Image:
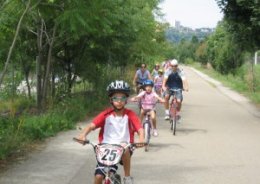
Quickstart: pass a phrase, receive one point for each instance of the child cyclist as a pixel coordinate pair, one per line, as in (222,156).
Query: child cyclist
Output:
(148,101)
(117,125)
(158,81)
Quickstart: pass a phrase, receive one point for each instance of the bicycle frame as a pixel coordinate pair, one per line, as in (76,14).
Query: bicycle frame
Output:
(173,109)
(147,125)
(109,155)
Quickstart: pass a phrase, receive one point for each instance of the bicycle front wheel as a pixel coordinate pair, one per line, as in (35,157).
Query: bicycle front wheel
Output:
(146,134)
(107,181)
(174,125)
(171,123)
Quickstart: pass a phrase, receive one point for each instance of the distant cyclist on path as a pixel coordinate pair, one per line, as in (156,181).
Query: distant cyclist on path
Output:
(141,75)
(174,78)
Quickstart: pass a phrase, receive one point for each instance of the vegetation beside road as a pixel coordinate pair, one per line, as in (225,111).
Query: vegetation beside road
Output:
(96,49)
(69,57)
(22,124)
(246,81)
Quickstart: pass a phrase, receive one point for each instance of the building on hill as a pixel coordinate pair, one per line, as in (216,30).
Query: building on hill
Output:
(177,24)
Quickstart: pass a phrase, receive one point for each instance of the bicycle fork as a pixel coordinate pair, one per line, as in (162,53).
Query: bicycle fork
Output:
(111,178)
(147,131)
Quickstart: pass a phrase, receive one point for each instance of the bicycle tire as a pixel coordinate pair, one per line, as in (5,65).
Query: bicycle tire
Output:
(171,123)
(107,181)
(146,134)
(175,124)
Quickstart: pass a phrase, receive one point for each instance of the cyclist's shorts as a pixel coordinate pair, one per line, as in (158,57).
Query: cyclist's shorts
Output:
(178,94)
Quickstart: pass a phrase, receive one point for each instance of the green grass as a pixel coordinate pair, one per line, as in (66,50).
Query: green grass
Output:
(21,125)
(241,82)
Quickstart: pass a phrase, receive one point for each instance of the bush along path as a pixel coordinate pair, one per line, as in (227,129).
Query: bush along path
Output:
(20,134)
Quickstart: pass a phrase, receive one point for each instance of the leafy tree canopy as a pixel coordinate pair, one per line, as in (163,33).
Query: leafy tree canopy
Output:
(243,17)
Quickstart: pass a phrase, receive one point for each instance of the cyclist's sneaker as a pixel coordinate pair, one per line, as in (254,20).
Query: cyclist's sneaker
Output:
(167,117)
(155,133)
(128,180)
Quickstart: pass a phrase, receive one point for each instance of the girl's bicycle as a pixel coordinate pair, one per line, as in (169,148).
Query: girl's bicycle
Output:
(173,109)
(147,125)
(108,156)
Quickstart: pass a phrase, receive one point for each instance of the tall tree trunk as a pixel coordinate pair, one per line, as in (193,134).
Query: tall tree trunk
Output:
(39,61)
(68,70)
(13,43)
(26,71)
(28,84)
(47,73)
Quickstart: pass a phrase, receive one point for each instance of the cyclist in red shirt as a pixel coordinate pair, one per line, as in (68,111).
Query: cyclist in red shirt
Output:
(117,125)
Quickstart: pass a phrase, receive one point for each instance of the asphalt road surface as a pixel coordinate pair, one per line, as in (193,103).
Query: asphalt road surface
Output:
(217,142)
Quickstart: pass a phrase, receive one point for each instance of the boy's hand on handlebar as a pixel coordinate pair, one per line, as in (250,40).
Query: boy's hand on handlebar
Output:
(80,139)
(140,144)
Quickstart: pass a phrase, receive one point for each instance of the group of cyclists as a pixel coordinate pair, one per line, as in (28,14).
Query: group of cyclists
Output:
(118,124)
(163,77)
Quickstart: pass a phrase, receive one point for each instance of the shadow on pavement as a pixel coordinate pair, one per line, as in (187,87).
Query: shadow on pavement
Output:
(155,147)
(187,131)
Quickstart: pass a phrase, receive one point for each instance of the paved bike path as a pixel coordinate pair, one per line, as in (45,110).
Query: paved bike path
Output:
(216,142)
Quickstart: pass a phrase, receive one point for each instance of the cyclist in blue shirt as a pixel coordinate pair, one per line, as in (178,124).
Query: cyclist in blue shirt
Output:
(141,75)
(175,79)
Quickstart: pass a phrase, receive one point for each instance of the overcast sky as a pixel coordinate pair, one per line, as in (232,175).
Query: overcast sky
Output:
(192,13)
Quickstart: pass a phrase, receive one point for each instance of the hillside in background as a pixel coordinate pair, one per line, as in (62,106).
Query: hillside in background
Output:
(176,34)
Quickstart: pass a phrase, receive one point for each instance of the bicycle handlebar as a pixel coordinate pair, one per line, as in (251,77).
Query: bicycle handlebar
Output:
(174,90)
(136,101)
(136,145)
(81,141)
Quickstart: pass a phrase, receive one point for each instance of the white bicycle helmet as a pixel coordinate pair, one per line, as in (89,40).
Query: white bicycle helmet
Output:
(118,86)
(174,62)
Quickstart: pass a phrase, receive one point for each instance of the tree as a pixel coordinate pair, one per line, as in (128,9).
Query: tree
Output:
(81,38)
(223,51)
(201,53)
(243,17)
(14,41)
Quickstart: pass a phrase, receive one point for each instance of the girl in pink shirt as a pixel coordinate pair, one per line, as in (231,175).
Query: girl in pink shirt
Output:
(158,80)
(148,101)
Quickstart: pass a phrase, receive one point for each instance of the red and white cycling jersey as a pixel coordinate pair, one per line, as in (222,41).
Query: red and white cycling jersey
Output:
(115,129)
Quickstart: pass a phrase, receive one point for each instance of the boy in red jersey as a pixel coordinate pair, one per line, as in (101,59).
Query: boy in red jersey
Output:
(117,125)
